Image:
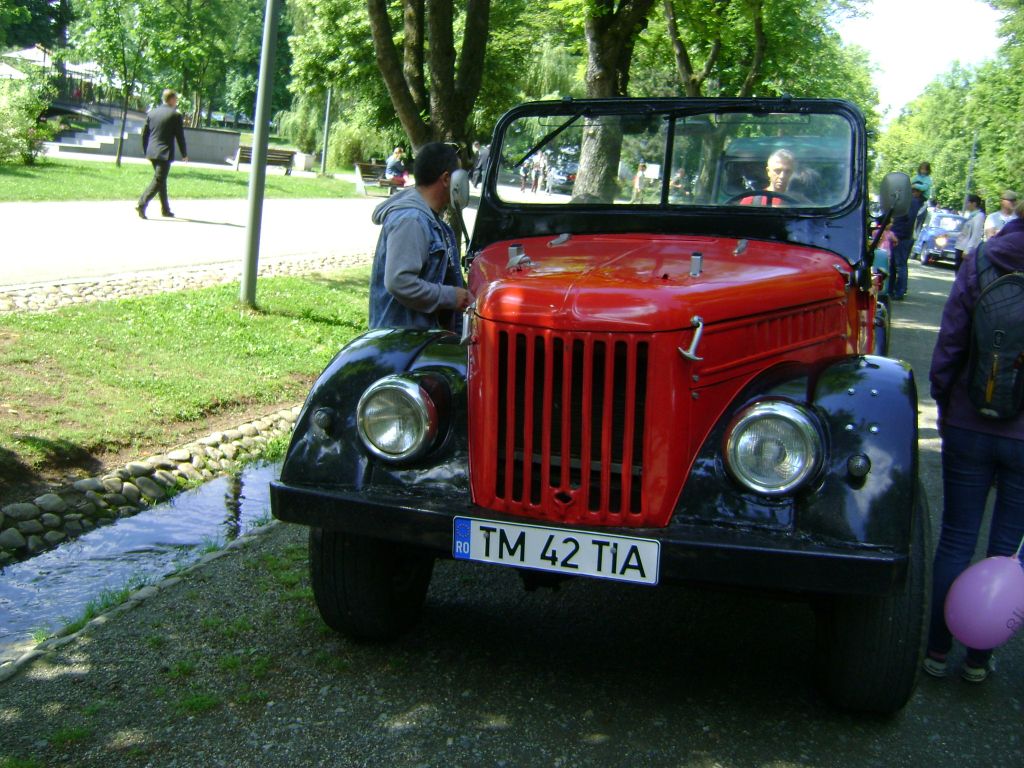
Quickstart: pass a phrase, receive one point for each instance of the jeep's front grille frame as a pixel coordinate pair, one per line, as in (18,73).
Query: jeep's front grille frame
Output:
(571,413)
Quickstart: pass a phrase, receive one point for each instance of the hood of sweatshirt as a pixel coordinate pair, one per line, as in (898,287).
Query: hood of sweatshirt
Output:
(407,198)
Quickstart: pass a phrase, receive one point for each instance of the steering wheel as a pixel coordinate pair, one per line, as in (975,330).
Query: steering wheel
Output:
(767,193)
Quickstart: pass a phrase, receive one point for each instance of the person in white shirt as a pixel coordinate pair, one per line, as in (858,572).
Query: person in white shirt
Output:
(970,235)
(997,219)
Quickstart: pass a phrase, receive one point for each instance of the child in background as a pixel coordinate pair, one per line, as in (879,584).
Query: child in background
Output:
(923,179)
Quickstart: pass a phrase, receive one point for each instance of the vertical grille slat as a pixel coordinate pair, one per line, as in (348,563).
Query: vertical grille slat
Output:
(570,432)
(607,411)
(628,427)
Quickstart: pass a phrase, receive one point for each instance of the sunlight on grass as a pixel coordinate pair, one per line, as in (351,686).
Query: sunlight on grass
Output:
(131,373)
(61,180)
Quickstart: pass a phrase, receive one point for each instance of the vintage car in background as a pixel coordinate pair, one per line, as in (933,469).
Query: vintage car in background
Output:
(937,239)
(683,390)
(561,178)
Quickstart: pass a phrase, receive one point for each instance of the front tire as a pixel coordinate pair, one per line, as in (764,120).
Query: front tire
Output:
(869,649)
(367,589)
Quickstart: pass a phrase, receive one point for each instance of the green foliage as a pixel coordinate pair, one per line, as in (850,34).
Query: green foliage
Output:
(99,401)
(108,598)
(941,126)
(22,126)
(24,23)
(114,34)
(303,124)
(351,142)
(196,703)
(11,14)
(58,179)
(62,737)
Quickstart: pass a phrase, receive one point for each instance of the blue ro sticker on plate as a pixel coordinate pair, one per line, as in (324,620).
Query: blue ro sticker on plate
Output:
(558,550)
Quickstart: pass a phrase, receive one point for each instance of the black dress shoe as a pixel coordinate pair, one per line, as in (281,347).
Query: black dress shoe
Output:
(167,215)
(141,211)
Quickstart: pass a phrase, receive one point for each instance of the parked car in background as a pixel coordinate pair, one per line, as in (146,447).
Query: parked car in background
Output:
(562,178)
(938,238)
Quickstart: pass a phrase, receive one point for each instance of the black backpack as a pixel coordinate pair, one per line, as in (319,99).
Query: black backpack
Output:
(995,369)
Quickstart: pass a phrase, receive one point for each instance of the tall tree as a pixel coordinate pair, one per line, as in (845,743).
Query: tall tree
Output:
(611,30)
(32,22)
(11,15)
(115,34)
(746,47)
(188,45)
(428,57)
(962,104)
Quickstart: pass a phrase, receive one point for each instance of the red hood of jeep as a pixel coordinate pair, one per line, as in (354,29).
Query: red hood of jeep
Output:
(642,282)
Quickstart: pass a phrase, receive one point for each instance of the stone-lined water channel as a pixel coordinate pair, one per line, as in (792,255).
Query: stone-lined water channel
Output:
(53,588)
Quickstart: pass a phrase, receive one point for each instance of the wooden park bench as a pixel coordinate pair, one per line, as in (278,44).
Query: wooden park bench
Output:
(282,157)
(370,179)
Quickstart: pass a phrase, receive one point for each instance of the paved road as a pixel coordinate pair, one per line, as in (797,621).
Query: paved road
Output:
(49,242)
(53,242)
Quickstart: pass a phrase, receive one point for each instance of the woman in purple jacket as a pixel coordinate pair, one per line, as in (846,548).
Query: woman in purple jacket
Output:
(977,452)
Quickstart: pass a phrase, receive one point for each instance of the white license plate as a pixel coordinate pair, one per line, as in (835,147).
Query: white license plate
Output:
(559,550)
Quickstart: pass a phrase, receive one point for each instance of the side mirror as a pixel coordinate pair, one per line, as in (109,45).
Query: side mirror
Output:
(460,189)
(894,194)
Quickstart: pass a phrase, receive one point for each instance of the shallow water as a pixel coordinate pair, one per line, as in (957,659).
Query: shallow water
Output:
(52,589)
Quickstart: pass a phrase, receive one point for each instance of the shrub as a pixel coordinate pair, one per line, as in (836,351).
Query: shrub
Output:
(353,141)
(23,129)
(302,124)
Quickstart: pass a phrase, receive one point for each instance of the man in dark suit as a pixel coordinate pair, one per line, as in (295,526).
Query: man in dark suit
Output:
(164,126)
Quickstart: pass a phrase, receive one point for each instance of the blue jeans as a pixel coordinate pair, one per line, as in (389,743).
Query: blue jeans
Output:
(971,462)
(900,256)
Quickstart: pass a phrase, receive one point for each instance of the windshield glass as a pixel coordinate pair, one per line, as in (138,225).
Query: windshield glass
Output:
(645,158)
(948,223)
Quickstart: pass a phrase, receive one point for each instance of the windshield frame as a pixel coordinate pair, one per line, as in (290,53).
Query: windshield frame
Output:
(841,227)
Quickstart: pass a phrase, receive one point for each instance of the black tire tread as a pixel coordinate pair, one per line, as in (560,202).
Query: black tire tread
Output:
(367,589)
(870,649)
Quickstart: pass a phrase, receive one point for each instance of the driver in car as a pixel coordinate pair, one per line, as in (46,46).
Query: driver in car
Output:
(781,168)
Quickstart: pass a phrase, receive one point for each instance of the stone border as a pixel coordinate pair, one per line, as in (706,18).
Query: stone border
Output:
(65,636)
(28,528)
(50,296)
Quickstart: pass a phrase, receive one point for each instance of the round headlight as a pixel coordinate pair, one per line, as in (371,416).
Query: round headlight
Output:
(397,419)
(773,447)
(940,240)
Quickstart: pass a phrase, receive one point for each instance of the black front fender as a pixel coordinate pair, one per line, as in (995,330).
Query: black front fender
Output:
(867,408)
(870,408)
(336,457)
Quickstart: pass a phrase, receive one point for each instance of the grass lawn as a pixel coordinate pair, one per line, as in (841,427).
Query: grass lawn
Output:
(85,383)
(57,179)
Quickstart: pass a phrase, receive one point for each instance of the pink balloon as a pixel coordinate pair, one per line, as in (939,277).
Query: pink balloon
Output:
(985,605)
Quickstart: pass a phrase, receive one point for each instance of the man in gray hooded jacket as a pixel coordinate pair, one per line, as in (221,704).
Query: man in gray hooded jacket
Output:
(416,273)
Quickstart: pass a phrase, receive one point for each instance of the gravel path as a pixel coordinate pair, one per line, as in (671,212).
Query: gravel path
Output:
(228,664)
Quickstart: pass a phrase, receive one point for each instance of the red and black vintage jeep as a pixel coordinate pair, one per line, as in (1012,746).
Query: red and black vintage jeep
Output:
(664,379)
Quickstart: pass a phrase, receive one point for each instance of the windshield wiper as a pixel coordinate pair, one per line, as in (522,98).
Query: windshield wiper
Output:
(548,137)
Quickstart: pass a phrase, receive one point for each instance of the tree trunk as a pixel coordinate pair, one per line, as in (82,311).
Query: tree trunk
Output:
(124,121)
(413,62)
(693,83)
(611,35)
(760,44)
(391,70)
(452,92)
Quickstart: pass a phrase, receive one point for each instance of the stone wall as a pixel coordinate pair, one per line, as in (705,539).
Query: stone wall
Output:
(27,528)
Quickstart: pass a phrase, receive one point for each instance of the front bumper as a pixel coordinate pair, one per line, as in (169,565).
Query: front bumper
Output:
(753,558)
